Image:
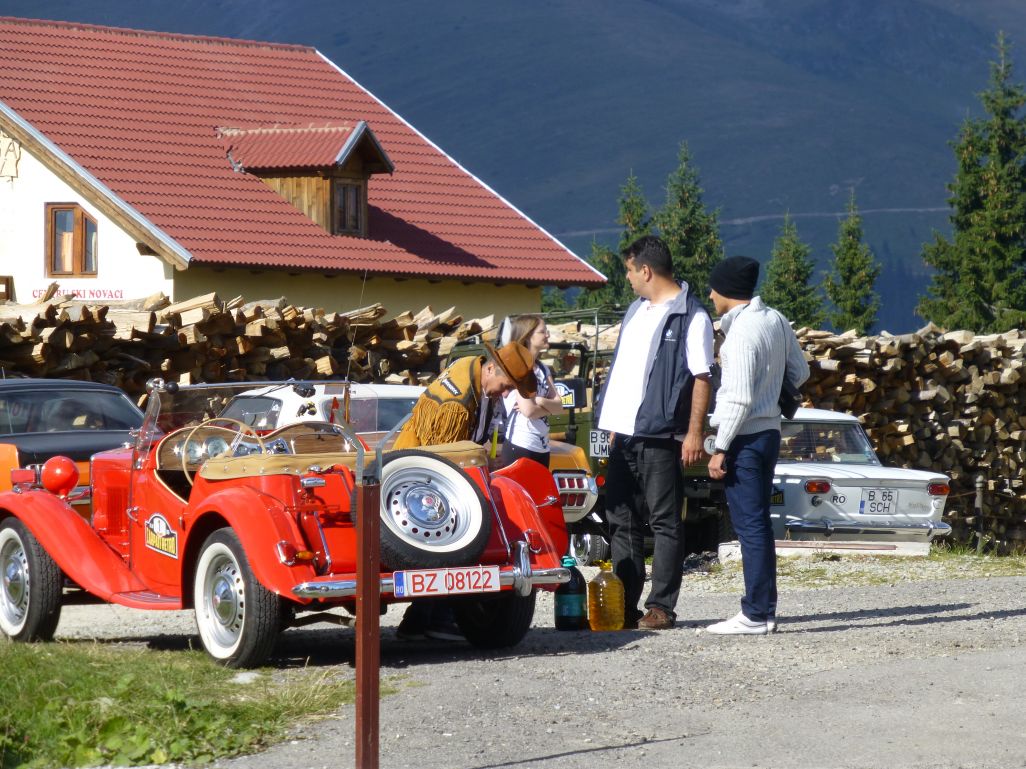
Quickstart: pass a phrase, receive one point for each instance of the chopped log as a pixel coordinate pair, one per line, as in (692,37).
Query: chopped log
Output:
(327,366)
(191,335)
(57,337)
(208,301)
(157,301)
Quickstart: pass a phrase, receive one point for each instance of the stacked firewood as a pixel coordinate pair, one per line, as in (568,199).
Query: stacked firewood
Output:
(952,402)
(209,340)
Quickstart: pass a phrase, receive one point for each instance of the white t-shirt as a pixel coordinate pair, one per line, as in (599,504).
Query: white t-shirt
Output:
(626,388)
(530,434)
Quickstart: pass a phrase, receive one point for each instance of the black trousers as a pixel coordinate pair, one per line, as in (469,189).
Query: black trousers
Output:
(511,453)
(645,481)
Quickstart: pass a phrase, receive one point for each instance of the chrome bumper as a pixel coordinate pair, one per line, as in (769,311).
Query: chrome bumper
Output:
(929,529)
(519,576)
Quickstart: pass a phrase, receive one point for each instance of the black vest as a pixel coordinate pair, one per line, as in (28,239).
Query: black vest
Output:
(666,408)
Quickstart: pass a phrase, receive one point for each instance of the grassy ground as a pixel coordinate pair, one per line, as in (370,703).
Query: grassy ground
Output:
(85,704)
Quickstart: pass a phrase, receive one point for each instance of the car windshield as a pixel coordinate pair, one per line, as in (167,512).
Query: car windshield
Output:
(66,411)
(802,441)
(268,406)
(379,413)
(254,410)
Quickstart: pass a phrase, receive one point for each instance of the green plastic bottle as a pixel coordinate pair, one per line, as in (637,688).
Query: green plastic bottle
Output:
(571,604)
(605,599)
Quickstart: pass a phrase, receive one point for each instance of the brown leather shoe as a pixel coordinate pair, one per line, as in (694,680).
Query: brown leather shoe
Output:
(656,619)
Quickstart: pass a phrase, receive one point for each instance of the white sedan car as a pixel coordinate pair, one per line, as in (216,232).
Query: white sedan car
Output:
(830,484)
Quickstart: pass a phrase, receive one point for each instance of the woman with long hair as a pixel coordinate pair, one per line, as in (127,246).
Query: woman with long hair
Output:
(527,427)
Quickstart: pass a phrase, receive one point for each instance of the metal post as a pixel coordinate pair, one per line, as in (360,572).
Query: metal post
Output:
(368,623)
(978,513)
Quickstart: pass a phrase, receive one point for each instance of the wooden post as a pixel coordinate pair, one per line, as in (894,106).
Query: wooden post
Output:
(368,624)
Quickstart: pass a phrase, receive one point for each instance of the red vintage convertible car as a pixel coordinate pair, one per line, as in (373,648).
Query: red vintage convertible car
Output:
(255,530)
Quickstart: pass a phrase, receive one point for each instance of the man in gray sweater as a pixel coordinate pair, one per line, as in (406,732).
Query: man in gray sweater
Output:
(758,351)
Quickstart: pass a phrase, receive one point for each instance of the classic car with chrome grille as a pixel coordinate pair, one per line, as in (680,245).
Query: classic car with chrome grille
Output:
(253,527)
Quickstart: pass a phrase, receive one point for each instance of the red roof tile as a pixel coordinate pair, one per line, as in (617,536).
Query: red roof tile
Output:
(146,113)
(315,146)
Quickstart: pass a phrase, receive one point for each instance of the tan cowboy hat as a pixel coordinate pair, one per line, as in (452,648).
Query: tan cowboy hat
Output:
(516,362)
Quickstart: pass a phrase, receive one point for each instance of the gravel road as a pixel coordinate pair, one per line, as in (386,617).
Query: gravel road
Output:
(877,663)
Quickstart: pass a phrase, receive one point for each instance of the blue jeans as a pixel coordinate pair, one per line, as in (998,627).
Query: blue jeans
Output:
(751,460)
(644,478)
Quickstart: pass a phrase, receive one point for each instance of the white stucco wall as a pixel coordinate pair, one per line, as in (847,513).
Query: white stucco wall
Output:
(122,273)
(347,292)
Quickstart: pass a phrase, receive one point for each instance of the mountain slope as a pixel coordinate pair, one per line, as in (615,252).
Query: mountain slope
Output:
(786,105)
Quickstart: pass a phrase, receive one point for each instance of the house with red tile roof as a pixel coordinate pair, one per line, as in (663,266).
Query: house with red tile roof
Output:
(133,162)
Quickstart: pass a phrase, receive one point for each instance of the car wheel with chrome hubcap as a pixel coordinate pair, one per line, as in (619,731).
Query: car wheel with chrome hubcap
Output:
(30,585)
(238,618)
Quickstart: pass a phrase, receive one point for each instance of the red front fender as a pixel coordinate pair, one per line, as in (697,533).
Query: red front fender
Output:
(72,543)
(527,494)
(261,523)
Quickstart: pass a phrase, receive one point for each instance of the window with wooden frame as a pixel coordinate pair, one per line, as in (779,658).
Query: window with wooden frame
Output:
(71,241)
(349,207)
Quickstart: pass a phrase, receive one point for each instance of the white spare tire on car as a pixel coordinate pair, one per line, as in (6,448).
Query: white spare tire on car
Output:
(432,514)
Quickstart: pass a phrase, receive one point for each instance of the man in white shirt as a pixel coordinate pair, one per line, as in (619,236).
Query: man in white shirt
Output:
(759,350)
(654,402)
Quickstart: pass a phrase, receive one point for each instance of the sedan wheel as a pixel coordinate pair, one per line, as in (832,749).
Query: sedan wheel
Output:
(588,548)
(30,592)
(237,618)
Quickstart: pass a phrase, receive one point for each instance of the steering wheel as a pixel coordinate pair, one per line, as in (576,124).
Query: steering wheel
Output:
(243,430)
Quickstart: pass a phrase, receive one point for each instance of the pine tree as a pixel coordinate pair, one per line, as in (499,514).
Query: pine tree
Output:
(553,299)
(608,262)
(690,231)
(979,280)
(635,220)
(634,216)
(850,284)
(786,286)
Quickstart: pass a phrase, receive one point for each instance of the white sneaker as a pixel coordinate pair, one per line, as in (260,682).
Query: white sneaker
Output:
(771,625)
(739,624)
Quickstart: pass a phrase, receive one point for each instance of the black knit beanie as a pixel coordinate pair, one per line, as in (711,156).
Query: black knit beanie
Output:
(735,277)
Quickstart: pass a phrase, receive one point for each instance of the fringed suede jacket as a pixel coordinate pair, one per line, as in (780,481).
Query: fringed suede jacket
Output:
(448,410)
